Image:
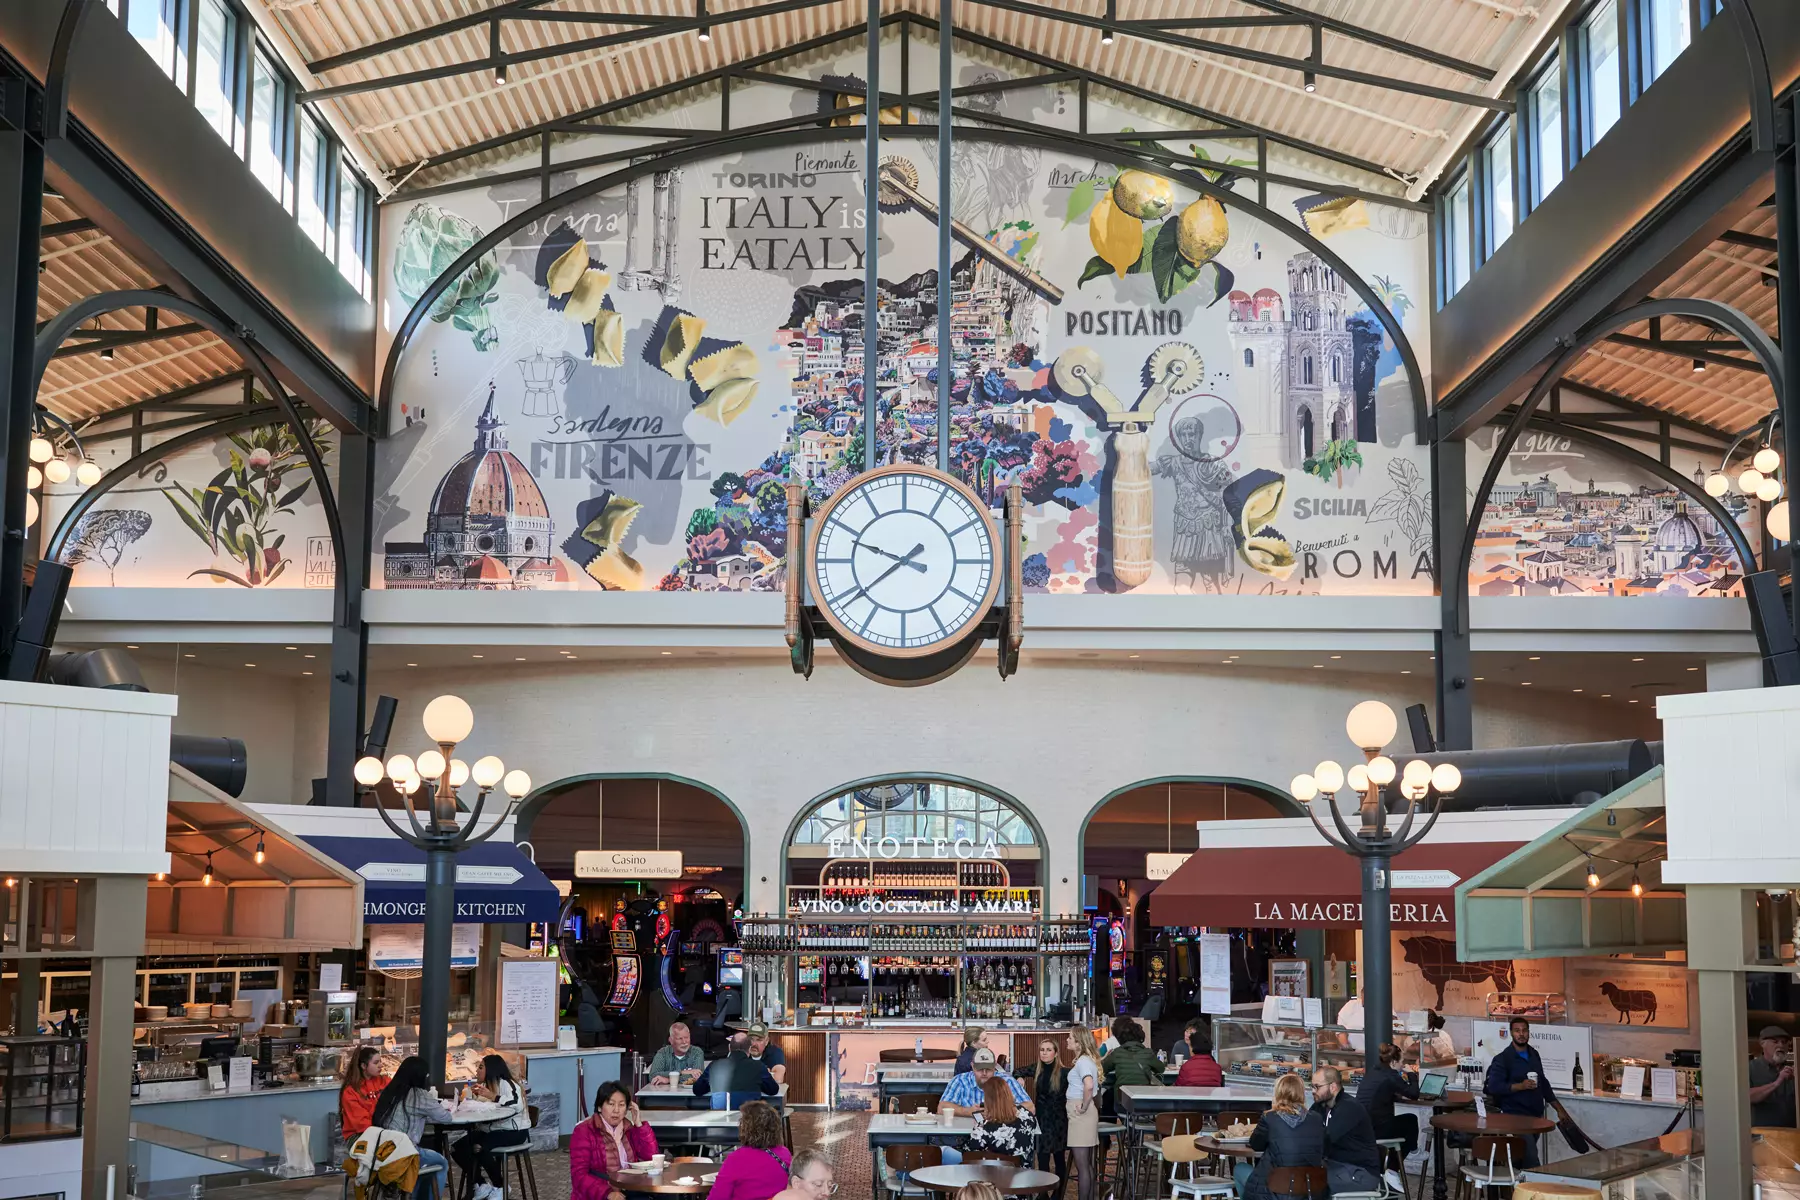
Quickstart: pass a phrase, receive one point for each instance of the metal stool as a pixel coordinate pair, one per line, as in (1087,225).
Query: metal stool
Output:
(520,1158)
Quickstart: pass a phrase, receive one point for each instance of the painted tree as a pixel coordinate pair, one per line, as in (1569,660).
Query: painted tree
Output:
(102,536)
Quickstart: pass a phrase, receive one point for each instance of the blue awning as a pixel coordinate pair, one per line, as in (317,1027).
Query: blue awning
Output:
(495,882)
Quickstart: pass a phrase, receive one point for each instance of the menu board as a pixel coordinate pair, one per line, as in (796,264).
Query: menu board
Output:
(528,1008)
(1215,974)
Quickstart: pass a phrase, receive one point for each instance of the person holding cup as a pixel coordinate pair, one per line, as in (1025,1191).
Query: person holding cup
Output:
(1517,1085)
(608,1142)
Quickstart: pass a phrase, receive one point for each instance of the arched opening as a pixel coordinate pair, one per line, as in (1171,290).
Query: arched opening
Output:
(1338,429)
(1131,841)
(670,872)
(923,897)
(1249,357)
(1306,433)
(1306,370)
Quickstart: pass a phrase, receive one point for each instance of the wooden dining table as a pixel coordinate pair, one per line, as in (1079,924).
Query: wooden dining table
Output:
(1466,1120)
(681,1177)
(1011,1181)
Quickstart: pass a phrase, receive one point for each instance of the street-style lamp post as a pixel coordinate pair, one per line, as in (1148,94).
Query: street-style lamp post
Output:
(1371,726)
(448,720)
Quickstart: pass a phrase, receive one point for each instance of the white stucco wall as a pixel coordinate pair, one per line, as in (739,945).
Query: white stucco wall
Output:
(1058,737)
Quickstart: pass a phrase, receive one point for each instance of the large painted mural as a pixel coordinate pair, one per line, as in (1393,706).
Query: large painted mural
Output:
(240,511)
(1565,519)
(617,395)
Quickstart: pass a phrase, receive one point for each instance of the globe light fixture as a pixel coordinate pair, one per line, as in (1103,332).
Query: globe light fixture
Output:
(88,473)
(1778,521)
(1717,484)
(41,450)
(34,479)
(57,470)
(1371,725)
(31,510)
(449,719)
(1748,480)
(436,825)
(1766,460)
(1769,490)
(1329,776)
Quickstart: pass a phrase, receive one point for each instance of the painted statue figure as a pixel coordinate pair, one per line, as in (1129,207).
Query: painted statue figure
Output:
(1202,547)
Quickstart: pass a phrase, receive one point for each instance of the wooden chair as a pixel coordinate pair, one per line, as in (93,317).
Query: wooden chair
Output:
(906,1102)
(903,1160)
(1181,1153)
(1494,1162)
(1168,1124)
(1307,1182)
(1221,1120)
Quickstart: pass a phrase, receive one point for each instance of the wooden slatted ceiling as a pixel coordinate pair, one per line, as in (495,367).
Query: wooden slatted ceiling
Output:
(80,387)
(405,124)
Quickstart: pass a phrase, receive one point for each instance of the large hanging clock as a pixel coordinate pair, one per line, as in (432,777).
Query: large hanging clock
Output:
(902,569)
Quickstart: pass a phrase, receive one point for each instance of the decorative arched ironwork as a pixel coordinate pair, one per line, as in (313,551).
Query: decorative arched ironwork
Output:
(1712,312)
(59,327)
(1165,165)
(915,808)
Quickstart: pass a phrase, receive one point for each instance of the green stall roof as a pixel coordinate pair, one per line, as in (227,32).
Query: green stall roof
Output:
(1535,902)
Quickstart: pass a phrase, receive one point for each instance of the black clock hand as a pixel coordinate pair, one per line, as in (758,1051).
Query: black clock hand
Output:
(903,562)
(870,546)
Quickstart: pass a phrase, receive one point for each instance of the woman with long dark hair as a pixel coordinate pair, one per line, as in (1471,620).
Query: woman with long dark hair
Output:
(407,1104)
(511,1128)
(362,1088)
(1044,1080)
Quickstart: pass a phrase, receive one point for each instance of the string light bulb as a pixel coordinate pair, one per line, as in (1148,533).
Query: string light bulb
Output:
(1637,885)
(161,875)
(207,878)
(1593,876)
(260,856)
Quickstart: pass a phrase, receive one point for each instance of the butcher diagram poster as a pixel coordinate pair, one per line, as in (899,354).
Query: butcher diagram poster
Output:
(1615,992)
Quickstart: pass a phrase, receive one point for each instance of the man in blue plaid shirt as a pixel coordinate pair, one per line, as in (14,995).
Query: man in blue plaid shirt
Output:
(964,1091)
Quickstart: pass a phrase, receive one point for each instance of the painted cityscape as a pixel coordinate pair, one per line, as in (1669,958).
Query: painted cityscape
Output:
(1544,538)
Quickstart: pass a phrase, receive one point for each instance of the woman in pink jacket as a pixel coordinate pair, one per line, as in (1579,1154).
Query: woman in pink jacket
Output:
(758,1168)
(606,1143)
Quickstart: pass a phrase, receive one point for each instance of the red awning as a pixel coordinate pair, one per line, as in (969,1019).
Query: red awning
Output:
(1316,887)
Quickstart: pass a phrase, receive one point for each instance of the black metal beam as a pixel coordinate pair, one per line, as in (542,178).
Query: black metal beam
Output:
(167,401)
(487,64)
(1754,241)
(1691,351)
(64,228)
(1225,49)
(474,20)
(1453,660)
(136,431)
(1639,407)
(111,339)
(1611,424)
(345,714)
(21,216)
(1397,45)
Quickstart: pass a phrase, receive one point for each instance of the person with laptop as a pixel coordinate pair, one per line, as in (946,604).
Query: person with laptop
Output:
(1385,1084)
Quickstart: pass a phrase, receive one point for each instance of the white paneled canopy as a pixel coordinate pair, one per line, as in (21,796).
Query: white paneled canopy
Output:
(295,899)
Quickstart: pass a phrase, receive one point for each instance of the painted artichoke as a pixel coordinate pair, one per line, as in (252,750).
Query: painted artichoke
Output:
(430,240)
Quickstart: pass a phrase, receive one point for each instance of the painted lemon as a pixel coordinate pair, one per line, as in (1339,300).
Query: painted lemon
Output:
(1202,232)
(1118,237)
(1144,195)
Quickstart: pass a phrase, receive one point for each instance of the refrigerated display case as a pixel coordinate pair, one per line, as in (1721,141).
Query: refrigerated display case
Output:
(42,1087)
(1251,1052)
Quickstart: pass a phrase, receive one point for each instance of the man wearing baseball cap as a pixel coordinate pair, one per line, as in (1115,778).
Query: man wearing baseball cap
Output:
(963,1094)
(760,1051)
(736,1079)
(1772,1080)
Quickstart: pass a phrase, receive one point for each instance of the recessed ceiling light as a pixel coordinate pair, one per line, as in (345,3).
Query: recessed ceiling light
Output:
(518,660)
(1481,679)
(1631,702)
(1226,661)
(1406,672)
(1318,666)
(312,656)
(306,672)
(412,664)
(475,656)
(249,664)
(187,656)
(666,653)
(290,647)
(1606,695)
(1535,658)
(1577,689)
(131,647)
(1524,683)
(1637,660)
(1693,668)
(1134,656)
(1337,656)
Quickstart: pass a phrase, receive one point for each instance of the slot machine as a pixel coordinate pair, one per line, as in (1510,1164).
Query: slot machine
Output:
(729,996)
(626,984)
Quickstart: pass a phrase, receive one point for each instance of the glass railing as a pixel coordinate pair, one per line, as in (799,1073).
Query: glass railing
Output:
(168,1162)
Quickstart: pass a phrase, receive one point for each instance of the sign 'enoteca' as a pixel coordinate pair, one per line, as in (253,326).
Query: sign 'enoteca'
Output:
(628,864)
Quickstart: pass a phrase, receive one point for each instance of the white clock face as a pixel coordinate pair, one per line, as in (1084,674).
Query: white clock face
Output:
(904,561)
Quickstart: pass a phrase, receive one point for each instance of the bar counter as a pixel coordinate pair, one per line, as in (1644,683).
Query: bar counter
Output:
(856,1049)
